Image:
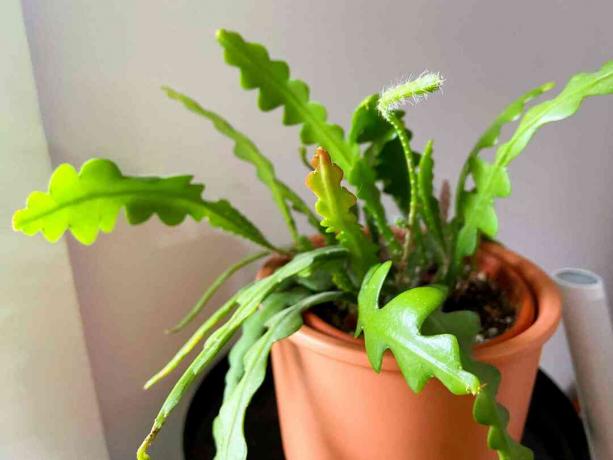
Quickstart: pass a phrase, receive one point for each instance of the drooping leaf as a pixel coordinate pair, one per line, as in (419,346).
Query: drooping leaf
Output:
(253,328)
(276,89)
(247,151)
(491,179)
(228,426)
(89,201)
(334,203)
(486,411)
(214,287)
(196,338)
(247,302)
(397,326)
(490,137)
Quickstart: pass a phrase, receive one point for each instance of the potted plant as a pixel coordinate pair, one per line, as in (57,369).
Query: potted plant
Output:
(429,301)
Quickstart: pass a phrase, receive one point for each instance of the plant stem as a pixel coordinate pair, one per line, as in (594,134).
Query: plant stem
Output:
(408,155)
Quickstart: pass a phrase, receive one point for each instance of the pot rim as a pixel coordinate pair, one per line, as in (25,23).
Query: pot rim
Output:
(547,304)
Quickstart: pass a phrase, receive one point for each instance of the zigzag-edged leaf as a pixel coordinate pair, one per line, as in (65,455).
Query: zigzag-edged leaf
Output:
(334,203)
(391,168)
(486,411)
(272,78)
(228,426)
(89,201)
(490,137)
(247,303)
(429,204)
(247,151)
(491,179)
(397,326)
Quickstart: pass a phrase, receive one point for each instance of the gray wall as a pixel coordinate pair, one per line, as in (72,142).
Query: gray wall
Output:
(99,66)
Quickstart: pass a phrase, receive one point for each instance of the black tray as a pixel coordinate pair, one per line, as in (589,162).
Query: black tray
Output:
(553,429)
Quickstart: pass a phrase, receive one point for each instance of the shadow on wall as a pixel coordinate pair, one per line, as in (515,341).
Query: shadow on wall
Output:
(124,327)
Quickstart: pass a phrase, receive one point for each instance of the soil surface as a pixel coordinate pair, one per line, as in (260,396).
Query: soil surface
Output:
(488,300)
(478,294)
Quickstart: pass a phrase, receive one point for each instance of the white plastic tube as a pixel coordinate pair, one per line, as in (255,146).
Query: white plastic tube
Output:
(588,326)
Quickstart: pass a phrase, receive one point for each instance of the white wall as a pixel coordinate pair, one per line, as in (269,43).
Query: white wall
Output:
(99,66)
(49,408)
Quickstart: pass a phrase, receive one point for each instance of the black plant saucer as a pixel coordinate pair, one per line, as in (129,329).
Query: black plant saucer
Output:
(553,429)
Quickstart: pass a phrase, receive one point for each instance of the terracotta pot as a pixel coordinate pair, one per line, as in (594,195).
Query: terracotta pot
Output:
(333,406)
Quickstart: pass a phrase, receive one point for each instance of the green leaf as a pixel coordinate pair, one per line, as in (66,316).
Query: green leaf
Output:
(391,169)
(363,177)
(253,328)
(247,151)
(247,302)
(490,137)
(491,179)
(300,206)
(89,201)
(223,215)
(367,124)
(429,205)
(196,338)
(228,426)
(276,89)
(272,78)
(334,204)
(397,327)
(214,287)
(486,411)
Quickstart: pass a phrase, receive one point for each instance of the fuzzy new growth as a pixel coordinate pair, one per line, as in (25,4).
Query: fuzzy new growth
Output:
(415,90)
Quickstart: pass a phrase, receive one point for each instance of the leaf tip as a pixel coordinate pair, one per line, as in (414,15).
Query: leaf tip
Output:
(320,156)
(222,34)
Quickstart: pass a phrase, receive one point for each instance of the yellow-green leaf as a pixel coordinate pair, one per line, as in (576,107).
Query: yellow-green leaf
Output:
(334,203)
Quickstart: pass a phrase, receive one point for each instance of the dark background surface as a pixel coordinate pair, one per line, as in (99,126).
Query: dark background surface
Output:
(553,429)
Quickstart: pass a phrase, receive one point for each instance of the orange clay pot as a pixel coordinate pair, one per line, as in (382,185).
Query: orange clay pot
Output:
(333,406)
